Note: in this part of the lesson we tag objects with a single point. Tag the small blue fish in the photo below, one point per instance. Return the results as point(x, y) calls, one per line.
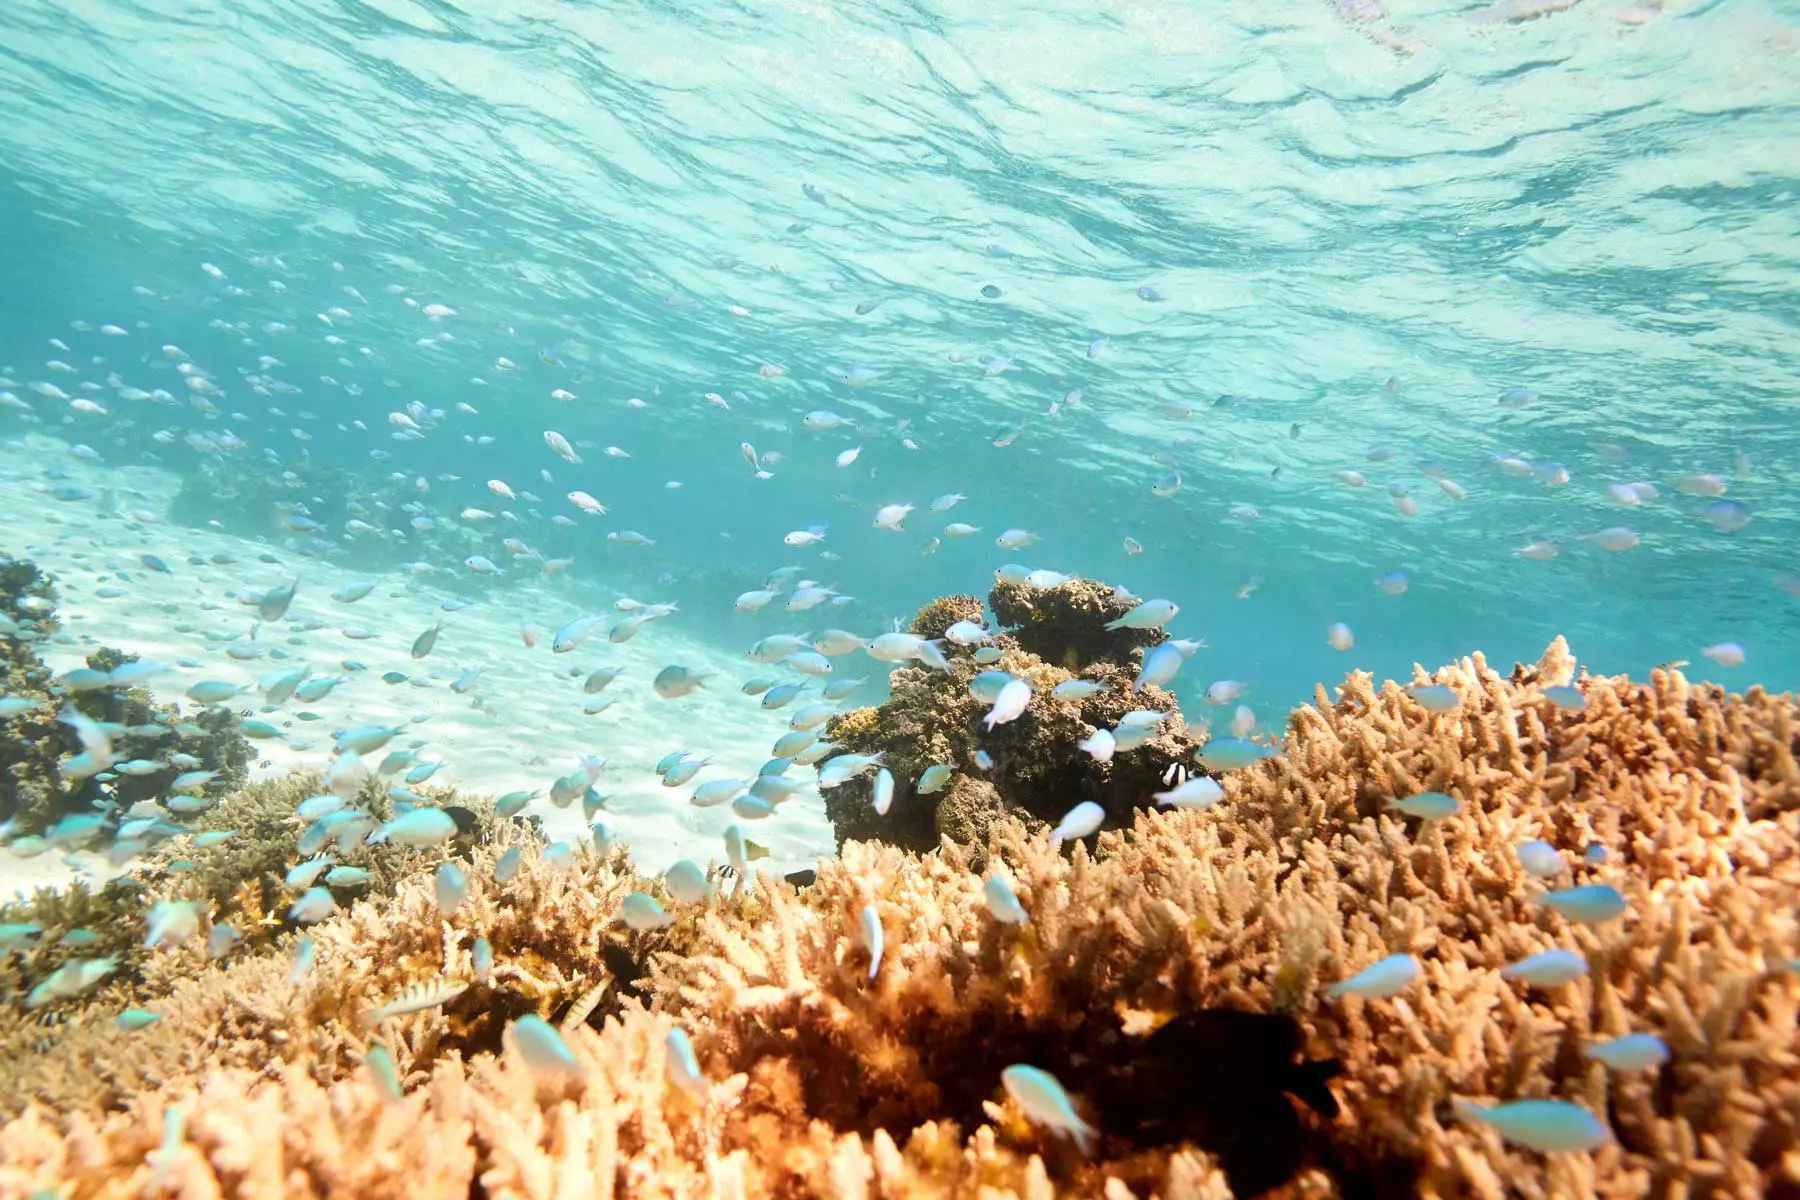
point(1589, 904)
point(507, 865)
point(1427, 806)
point(1633, 1052)
point(1074, 689)
point(986, 686)
point(136, 1018)
point(641, 912)
point(1389, 977)
point(1726, 515)
point(933, 778)
point(382, 1070)
point(1542, 1125)
point(451, 887)
point(314, 905)
point(1229, 754)
point(683, 1066)
point(481, 960)
point(1001, 901)
point(424, 771)
point(543, 1049)
point(1146, 292)
point(304, 954)
point(1540, 858)
point(1434, 697)
point(1565, 697)
point(513, 803)
point(1550, 968)
point(1042, 1098)
point(869, 922)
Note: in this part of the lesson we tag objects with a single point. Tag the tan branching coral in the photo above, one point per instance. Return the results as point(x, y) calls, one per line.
point(1224, 926)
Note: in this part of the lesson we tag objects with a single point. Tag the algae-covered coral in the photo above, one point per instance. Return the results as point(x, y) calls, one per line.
point(1223, 926)
point(1034, 766)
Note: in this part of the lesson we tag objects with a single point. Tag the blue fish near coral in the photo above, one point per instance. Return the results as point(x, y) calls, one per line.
point(1043, 1099)
point(1434, 697)
point(1427, 806)
point(1001, 901)
point(1540, 858)
point(1633, 1052)
point(543, 1049)
point(683, 1066)
point(1543, 1125)
point(1229, 754)
point(1551, 968)
point(1589, 904)
point(1389, 977)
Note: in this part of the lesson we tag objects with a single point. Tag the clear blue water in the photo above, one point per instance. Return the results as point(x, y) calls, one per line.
point(1598, 204)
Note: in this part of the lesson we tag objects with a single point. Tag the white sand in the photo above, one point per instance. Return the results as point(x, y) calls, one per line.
point(519, 728)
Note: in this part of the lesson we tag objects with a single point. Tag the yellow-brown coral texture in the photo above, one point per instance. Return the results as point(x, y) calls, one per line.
point(824, 1082)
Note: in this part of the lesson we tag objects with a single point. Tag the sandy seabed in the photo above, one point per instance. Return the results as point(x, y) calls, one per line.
point(519, 727)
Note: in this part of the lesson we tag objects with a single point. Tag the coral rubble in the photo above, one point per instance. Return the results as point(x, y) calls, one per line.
point(1175, 979)
point(1037, 768)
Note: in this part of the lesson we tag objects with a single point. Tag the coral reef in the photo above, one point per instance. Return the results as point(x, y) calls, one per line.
point(1038, 769)
point(1066, 624)
point(34, 790)
point(237, 882)
point(1175, 980)
point(932, 620)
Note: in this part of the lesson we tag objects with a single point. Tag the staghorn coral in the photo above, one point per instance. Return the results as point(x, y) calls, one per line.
point(826, 1082)
point(239, 882)
point(1066, 624)
point(1038, 769)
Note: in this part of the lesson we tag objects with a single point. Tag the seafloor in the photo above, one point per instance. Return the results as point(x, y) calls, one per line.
point(1173, 974)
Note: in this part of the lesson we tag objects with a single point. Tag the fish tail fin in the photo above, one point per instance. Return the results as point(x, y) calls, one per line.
point(1468, 1110)
point(1085, 1136)
point(1115, 624)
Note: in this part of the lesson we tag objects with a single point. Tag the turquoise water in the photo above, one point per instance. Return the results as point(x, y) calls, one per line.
point(1366, 224)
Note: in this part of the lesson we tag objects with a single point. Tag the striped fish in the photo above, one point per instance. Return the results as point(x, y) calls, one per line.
point(417, 997)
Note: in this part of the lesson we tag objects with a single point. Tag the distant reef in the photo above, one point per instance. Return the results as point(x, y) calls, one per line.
point(1035, 768)
point(1174, 972)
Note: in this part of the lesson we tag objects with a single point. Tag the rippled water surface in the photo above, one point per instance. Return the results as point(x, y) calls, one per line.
point(1265, 242)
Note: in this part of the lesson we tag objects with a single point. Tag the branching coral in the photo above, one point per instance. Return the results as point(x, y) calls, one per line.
point(1224, 926)
point(239, 882)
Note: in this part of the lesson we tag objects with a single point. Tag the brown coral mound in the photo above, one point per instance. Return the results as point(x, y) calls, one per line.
point(824, 1081)
point(1038, 770)
point(34, 792)
point(1066, 624)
